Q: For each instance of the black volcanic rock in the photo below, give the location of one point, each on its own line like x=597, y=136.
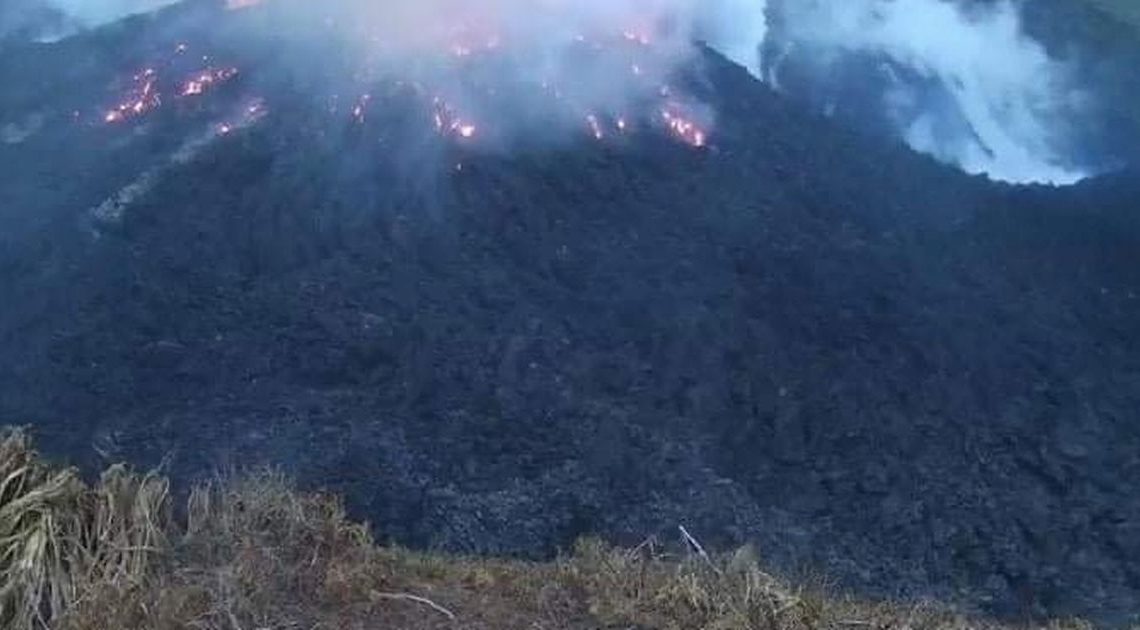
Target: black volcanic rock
x=918, y=382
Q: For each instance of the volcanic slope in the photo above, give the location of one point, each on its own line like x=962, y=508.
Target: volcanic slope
x=913, y=381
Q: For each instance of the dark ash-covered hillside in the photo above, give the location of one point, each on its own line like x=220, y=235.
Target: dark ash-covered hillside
x=914, y=381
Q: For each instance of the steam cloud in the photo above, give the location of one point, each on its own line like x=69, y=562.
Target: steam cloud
x=605, y=62
x=966, y=84
x=979, y=93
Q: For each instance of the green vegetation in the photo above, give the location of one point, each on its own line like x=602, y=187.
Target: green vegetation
x=254, y=553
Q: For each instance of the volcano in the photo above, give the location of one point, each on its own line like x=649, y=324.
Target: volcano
x=719, y=310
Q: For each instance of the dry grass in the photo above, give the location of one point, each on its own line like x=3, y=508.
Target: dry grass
x=58, y=537
x=254, y=554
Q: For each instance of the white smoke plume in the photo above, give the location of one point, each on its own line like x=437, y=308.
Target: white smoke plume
x=739, y=25
x=1003, y=106
x=1006, y=108
x=608, y=64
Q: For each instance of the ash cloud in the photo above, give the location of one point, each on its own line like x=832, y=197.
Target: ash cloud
x=538, y=69
x=958, y=80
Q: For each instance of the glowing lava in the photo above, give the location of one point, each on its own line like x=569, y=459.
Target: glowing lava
x=447, y=121
x=147, y=90
x=254, y=111
x=142, y=98
x=474, y=64
x=595, y=127
x=207, y=79
x=682, y=127
x=361, y=108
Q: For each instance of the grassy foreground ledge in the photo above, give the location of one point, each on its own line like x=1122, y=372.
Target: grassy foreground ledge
x=254, y=554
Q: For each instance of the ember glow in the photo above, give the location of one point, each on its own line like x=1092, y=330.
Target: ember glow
x=449, y=122
x=361, y=108
x=207, y=79
x=141, y=98
x=595, y=127
x=150, y=88
x=508, y=71
x=682, y=127
x=250, y=114
x=482, y=79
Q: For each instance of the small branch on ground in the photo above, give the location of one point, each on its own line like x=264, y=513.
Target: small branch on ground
x=697, y=547
x=416, y=598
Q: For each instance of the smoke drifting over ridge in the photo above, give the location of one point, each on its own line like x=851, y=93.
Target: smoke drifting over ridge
x=956, y=79
x=959, y=80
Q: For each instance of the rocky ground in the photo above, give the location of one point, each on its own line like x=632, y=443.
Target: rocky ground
x=871, y=366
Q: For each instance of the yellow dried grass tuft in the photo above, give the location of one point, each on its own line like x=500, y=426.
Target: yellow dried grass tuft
x=59, y=537
x=255, y=553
